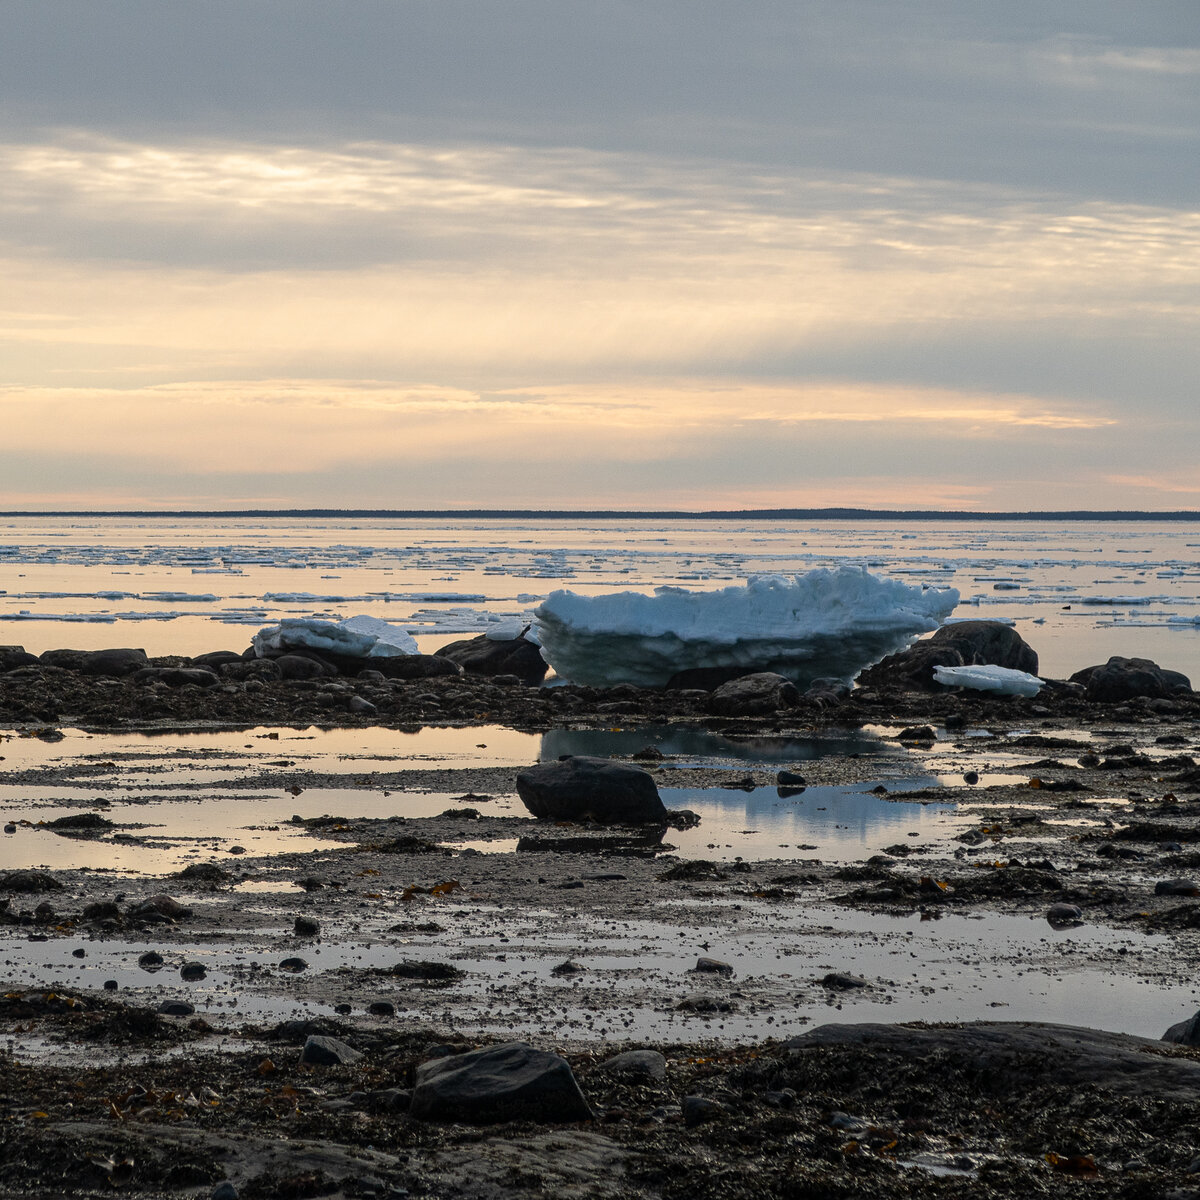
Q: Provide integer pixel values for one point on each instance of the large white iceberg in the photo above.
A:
(822, 623)
(358, 637)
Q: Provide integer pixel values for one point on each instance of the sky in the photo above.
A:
(669, 254)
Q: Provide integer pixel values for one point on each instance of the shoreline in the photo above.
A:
(884, 1107)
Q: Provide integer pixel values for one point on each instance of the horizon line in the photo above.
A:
(775, 514)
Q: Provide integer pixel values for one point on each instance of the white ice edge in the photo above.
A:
(987, 678)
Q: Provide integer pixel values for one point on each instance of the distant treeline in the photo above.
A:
(605, 514)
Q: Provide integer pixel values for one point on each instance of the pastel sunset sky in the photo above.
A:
(598, 253)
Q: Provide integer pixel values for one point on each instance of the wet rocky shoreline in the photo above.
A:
(459, 950)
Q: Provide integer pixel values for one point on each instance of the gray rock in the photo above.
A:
(646, 1064)
(1063, 915)
(322, 1051)
(302, 666)
(713, 966)
(1176, 887)
(12, 657)
(840, 981)
(28, 881)
(760, 694)
(175, 677)
(578, 788)
(988, 642)
(176, 1008)
(512, 1082)
(1128, 678)
(1185, 1033)
(415, 666)
(485, 656)
(700, 1110)
(192, 971)
(306, 927)
(113, 663)
(225, 1190)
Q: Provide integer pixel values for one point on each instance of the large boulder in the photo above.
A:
(177, 676)
(12, 657)
(988, 643)
(755, 695)
(413, 666)
(488, 654)
(1128, 678)
(513, 1082)
(962, 644)
(114, 664)
(578, 788)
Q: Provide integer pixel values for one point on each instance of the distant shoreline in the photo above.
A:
(559, 514)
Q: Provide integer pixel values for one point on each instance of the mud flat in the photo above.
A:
(934, 958)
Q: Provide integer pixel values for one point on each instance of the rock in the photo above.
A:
(578, 788)
(294, 964)
(306, 927)
(113, 663)
(1128, 678)
(224, 1190)
(917, 733)
(840, 981)
(12, 657)
(511, 1082)
(705, 679)
(699, 1110)
(1186, 1033)
(192, 971)
(323, 1051)
(203, 873)
(176, 1008)
(381, 1008)
(265, 669)
(150, 961)
(755, 695)
(826, 692)
(1063, 916)
(101, 910)
(80, 825)
(569, 967)
(415, 666)
(644, 1064)
(214, 660)
(911, 669)
(1176, 887)
(790, 779)
(713, 966)
(163, 905)
(175, 677)
(988, 642)
(1003, 1056)
(360, 706)
(485, 655)
(303, 666)
(28, 881)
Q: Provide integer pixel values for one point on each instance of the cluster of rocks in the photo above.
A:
(483, 678)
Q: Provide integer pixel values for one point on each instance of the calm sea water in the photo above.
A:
(1078, 592)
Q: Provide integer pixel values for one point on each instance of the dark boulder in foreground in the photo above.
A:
(1128, 678)
(487, 655)
(965, 644)
(28, 881)
(1005, 1057)
(578, 788)
(1185, 1033)
(115, 664)
(513, 1082)
(755, 695)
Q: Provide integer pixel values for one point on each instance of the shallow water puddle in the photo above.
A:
(637, 973)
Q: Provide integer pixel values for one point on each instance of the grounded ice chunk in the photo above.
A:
(822, 623)
(987, 678)
(360, 637)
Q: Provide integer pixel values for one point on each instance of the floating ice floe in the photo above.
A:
(986, 678)
(359, 637)
(822, 623)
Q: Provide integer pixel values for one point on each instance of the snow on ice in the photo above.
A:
(987, 678)
(821, 623)
(359, 637)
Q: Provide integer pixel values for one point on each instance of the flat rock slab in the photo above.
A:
(580, 788)
(1002, 1056)
(512, 1082)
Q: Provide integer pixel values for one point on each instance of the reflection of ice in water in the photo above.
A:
(840, 823)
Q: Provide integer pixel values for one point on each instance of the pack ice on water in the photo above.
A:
(821, 623)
